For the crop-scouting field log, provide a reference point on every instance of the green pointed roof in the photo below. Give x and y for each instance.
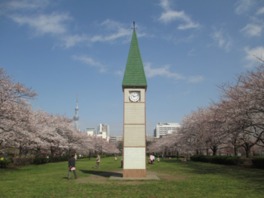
(134, 74)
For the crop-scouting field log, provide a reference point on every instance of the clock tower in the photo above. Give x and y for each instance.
(134, 127)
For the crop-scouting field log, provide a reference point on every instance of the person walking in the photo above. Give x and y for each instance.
(98, 160)
(72, 167)
(151, 159)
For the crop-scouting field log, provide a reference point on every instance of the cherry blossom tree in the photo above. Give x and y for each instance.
(236, 121)
(244, 104)
(37, 133)
(14, 111)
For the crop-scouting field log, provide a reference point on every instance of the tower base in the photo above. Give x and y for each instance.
(134, 173)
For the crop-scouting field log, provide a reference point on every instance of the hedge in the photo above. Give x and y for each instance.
(227, 160)
(4, 162)
(258, 162)
(43, 160)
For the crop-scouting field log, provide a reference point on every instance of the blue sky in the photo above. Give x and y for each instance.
(65, 49)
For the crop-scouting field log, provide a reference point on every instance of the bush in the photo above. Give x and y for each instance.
(258, 162)
(200, 158)
(4, 162)
(226, 160)
(40, 160)
(45, 159)
(58, 158)
(22, 161)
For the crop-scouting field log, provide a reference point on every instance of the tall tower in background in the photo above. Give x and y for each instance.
(76, 116)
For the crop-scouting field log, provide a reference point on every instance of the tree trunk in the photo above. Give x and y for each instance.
(20, 150)
(235, 150)
(207, 151)
(247, 148)
(214, 149)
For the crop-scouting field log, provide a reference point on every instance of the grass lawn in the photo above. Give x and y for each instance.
(177, 179)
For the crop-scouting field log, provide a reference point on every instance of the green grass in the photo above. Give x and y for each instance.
(177, 179)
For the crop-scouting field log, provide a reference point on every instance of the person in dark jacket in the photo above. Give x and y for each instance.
(71, 167)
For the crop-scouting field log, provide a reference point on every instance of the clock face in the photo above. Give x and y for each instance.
(134, 96)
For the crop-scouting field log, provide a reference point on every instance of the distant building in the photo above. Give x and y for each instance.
(116, 139)
(90, 131)
(103, 131)
(150, 138)
(163, 129)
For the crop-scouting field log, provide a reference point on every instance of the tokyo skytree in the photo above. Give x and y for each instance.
(76, 116)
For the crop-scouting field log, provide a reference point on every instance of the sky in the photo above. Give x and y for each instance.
(68, 49)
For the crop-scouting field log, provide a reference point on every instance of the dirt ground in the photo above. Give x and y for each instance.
(100, 177)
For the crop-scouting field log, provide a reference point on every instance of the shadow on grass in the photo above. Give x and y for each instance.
(249, 175)
(102, 173)
(231, 170)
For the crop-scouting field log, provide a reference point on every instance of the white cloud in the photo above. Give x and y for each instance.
(188, 25)
(168, 15)
(195, 79)
(117, 31)
(253, 55)
(111, 24)
(222, 39)
(57, 24)
(243, 6)
(260, 11)
(161, 71)
(111, 37)
(252, 30)
(165, 4)
(44, 23)
(91, 62)
(73, 40)
(119, 73)
(165, 72)
(25, 4)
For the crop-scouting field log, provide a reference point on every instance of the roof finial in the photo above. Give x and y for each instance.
(134, 25)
